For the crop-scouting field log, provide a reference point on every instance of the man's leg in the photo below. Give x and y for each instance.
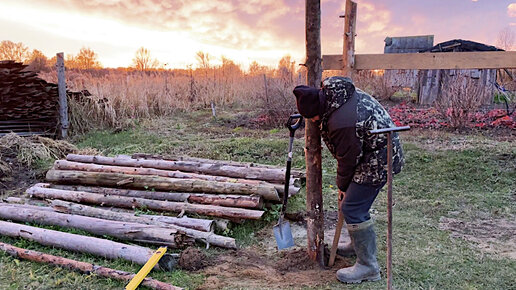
(355, 207)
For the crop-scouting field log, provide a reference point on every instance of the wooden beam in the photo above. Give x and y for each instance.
(314, 200)
(350, 21)
(63, 99)
(440, 60)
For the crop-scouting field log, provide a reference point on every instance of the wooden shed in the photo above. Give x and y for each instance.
(430, 84)
(28, 104)
(406, 44)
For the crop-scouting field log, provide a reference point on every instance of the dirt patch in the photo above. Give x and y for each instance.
(496, 236)
(262, 266)
(192, 259)
(247, 269)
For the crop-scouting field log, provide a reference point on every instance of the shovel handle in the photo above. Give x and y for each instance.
(293, 123)
(338, 231)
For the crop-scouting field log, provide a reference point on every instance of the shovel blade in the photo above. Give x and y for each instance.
(283, 235)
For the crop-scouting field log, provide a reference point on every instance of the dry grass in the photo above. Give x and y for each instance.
(122, 95)
(29, 150)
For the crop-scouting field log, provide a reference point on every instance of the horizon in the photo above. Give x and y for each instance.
(243, 31)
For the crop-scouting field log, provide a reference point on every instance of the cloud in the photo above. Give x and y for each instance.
(235, 24)
(511, 10)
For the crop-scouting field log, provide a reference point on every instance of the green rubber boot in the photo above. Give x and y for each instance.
(346, 250)
(366, 267)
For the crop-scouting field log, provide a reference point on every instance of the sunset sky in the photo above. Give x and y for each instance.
(261, 30)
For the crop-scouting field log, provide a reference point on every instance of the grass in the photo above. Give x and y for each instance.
(476, 181)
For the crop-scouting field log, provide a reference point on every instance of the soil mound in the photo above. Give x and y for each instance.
(192, 259)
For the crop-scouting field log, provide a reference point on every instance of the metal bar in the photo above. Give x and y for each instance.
(389, 209)
(392, 129)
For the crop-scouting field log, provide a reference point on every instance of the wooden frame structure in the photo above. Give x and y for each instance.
(427, 60)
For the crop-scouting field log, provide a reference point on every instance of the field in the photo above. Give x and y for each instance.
(454, 213)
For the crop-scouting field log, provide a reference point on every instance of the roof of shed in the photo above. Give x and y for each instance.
(458, 45)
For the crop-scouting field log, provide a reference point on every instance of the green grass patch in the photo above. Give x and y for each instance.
(474, 182)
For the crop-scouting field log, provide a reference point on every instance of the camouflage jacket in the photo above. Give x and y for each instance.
(349, 115)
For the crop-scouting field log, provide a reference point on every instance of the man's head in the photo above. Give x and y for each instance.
(309, 101)
(312, 102)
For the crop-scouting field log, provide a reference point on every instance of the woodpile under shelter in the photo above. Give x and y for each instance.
(432, 84)
(28, 104)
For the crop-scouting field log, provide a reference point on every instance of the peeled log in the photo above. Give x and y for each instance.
(157, 205)
(82, 267)
(187, 222)
(265, 174)
(159, 183)
(298, 173)
(125, 231)
(84, 244)
(90, 167)
(79, 209)
(70, 165)
(245, 201)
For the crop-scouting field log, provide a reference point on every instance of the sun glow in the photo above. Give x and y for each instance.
(174, 48)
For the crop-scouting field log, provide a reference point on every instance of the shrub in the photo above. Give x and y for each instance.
(459, 100)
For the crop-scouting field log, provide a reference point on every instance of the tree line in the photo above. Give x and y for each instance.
(88, 59)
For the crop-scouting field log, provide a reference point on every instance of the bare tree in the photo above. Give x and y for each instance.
(143, 60)
(256, 69)
(87, 59)
(506, 39)
(286, 69)
(203, 59)
(13, 51)
(37, 61)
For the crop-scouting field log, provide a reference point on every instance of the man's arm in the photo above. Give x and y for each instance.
(348, 149)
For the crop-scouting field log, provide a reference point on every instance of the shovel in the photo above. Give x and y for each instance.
(282, 231)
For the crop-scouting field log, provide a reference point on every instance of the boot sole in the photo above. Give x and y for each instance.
(372, 278)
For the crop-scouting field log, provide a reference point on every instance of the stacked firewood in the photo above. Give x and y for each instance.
(28, 104)
(100, 194)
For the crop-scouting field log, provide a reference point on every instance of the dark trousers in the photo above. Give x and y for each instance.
(358, 201)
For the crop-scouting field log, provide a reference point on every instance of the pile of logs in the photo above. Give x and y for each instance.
(103, 195)
(28, 104)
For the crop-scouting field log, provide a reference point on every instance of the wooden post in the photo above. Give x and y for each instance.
(348, 54)
(314, 201)
(63, 100)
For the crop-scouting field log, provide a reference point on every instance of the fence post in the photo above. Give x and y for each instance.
(314, 200)
(348, 53)
(63, 100)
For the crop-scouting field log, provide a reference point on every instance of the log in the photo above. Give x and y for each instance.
(159, 183)
(82, 267)
(84, 244)
(296, 173)
(244, 201)
(265, 174)
(122, 230)
(80, 209)
(90, 167)
(157, 205)
(186, 222)
(314, 198)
